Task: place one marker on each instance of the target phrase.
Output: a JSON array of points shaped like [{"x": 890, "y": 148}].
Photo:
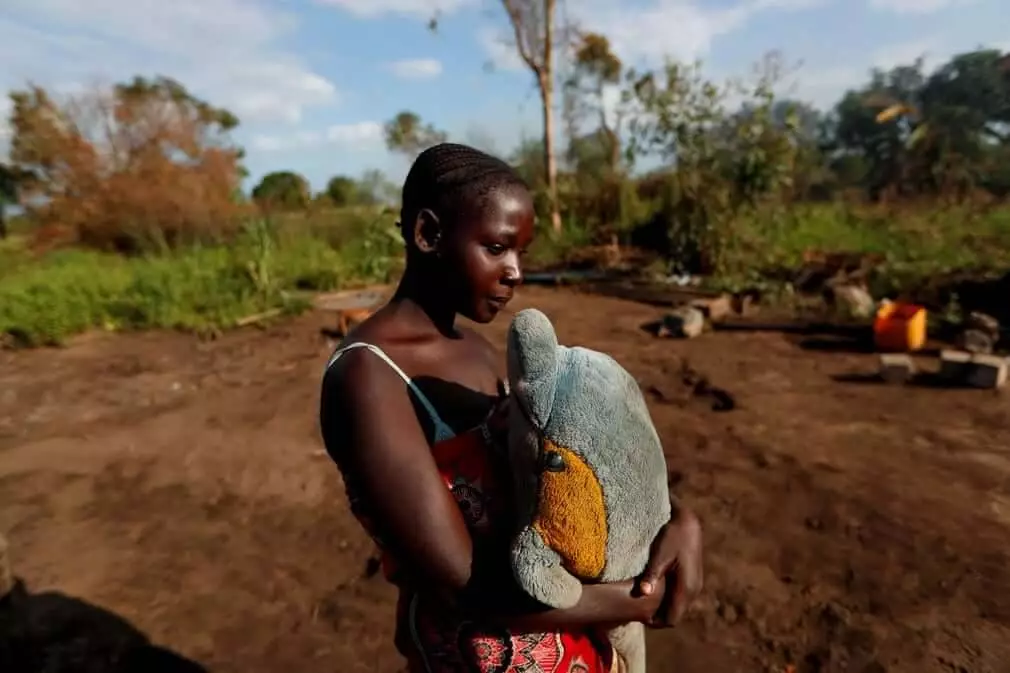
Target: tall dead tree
[{"x": 534, "y": 27}]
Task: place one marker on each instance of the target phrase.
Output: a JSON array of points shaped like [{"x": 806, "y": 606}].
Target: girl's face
[{"x": 484, "y": 253}]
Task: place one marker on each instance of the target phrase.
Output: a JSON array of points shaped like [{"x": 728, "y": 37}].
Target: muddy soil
[{"x": 178, "y": 483}]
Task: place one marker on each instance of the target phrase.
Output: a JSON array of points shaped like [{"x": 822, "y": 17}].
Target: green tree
[
  {"x": 282, "y": 190},
  {"x": 596, "y": 68},
  {"x": 528, "y": 160},
  {"x": 883, "y": 146},
  {"x": 941, "y": 132},
  {"x": 407, "y": 134},
  {"x": 10, "y": 180},
  {"x": 965, "y": 120},
  {"x": 377, "y": 189},
  {"x": 721, "y": 162},
  {"x": 343, "y": 191}
]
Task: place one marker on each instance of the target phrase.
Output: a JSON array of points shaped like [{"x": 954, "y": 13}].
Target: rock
[
  {"x": 745, "y": 304},
  {"x": 976, "y": 341},
  {"x": 980, "y": 333},
  {"x": 983, "y": 323},
  {"x": 896, "y": 368},
  {"x": 714, "y": 308},
  {"x": 686, "y": 322},
  {"x": 954, "y": 365},
  {"x": 854, "y": 299},
  {"x": 986, "y": 371}
]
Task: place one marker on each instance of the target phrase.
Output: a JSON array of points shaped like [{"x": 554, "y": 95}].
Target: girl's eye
[{"x": 496, "y": 249}]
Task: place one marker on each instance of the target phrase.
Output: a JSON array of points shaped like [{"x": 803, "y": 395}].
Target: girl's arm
[{"x": 371, "y": 430}]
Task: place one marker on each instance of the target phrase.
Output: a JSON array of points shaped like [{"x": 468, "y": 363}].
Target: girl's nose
[{"x": 513, "y": 274}]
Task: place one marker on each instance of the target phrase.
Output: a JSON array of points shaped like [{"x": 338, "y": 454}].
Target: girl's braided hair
[{"x": 449, "y": 176}]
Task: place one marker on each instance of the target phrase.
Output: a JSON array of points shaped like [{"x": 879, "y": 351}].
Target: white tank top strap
[{"x": 442, "y": 429}]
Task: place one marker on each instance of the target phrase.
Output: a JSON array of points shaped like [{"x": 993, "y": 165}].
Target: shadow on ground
[{"x": 50, "y": 632}]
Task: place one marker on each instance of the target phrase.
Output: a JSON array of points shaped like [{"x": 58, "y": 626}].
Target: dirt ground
[{"x": 849, "y": 526}]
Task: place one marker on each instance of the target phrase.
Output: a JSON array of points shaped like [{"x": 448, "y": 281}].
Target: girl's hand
[
  {"x": 633, "y": 605},
  {"x": 676, "y": 556},
  {"x": 648, "y": 605}
]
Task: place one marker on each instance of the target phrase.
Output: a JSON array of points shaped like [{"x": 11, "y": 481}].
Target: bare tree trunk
[
  {"x": 3, "y": 223},
  {"x": 534, "y": 35},
  {"x": 550, "y": 155},
  {"x": 546, "y": 81},
  {"x": 615, "y": 149}
]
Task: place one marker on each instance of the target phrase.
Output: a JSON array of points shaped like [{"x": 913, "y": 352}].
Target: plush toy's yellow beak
[{"x": 571, "y": 514}]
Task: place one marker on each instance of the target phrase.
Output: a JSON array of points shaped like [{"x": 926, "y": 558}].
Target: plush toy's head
[{"x": 589, "y": 470}]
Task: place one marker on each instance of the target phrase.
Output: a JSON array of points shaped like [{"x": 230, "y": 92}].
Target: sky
[{"x": 312, "y": 81}]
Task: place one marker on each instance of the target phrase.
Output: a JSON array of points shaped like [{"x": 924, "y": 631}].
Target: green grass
[
  {"x": 916, "y": 243},
  {"x": 277, "y": 265},
  {"x": 201, "y": 289}
]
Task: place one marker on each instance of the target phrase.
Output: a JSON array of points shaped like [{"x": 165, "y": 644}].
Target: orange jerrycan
[{"x": 899, "y": 327}]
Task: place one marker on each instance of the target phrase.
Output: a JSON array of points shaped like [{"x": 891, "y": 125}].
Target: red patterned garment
[{"x": 435, "y": 641}]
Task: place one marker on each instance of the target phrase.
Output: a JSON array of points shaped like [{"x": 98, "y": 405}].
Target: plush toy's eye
[{"x": 554, "y": 462}]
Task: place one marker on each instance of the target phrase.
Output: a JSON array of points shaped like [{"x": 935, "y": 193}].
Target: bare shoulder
[
  {"x": 355, "y": 368},
  {"x": 359, "y": 368},
  {"x": 354, "y": 384}
]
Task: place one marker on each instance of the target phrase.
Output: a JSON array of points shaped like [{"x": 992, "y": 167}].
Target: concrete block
[
  {"x": 745, "y": 304},
  {"x": 954, "y": 365},
  {"x": 854, "y": 300},
  {"x": 896, "y": 367},
  {"x": 986, "y": 371},
  {"x": 714, "y": 308},
  {"x": 686, "y": 323}
]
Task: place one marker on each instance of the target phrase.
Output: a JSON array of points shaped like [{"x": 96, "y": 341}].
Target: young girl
[{"x": 410, "y": 413}]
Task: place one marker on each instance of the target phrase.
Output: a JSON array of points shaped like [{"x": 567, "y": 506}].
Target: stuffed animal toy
[{"x": 590, "y": 475}]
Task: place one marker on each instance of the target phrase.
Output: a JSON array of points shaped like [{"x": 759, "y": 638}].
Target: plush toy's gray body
[{"x": 589, "y": 470}]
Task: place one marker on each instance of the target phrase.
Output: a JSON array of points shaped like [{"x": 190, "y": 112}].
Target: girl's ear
[{"x": 427, "y": 232}]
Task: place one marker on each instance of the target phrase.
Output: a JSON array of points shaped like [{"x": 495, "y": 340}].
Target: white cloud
[
  {"x": 501, "y": 53},
  {"x": 932, "y": 50},
  {"x": 416, "y": 68},
  {"x": 679, "y": 29},
  {"x": 357, "y": 135},
  {"x": 824, "y": 86},
  {"x": 267, "y": 91},
  {"x": 786, "y": 4},
  {"x": 360, "y": 133},
  {"x": 420, "y": 8},
  {"x": 228, "y": 51},
  {"x": 915, "y": 6}
]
